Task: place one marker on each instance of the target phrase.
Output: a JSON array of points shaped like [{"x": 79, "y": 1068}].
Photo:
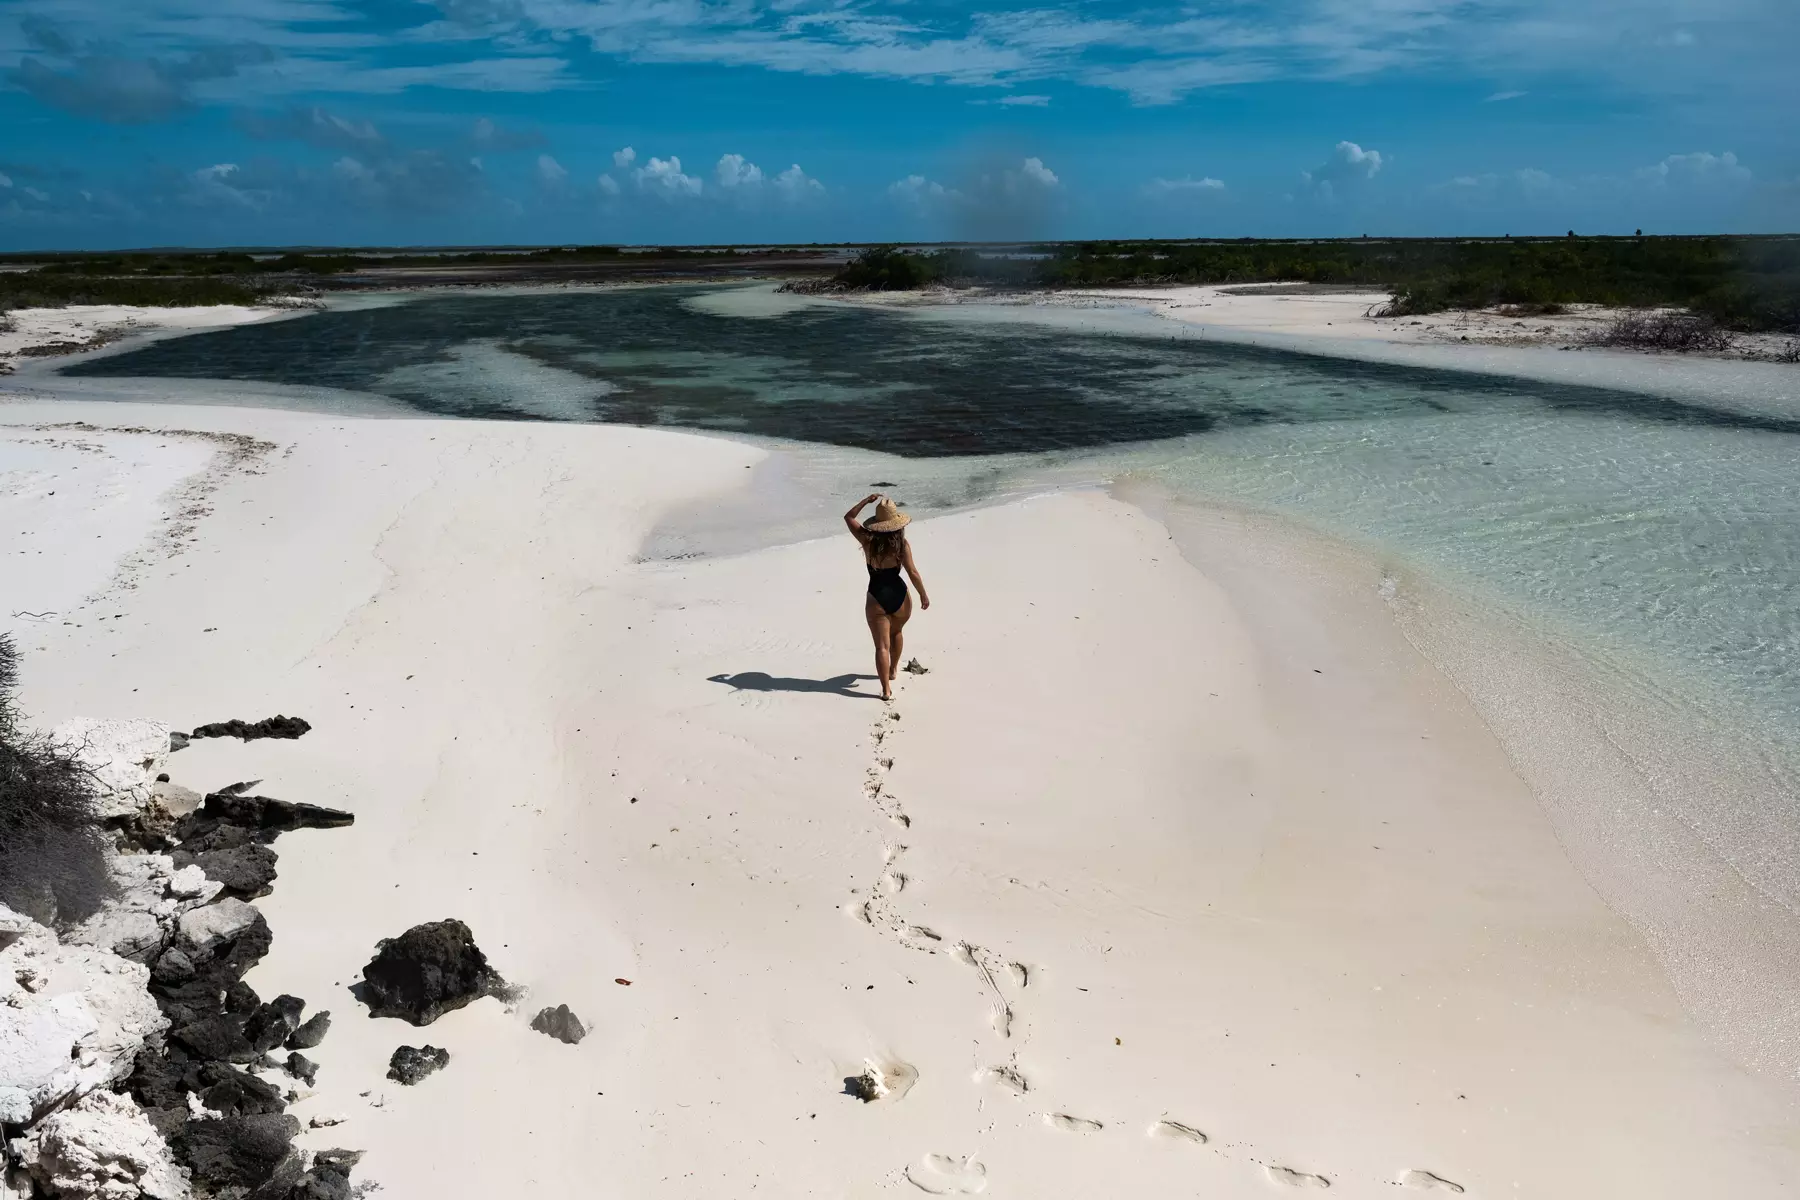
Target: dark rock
[
  {"x": 217, "y": 1038},
  {"x": 167, "y": 1120},
  {"x": 188, "y": 1002},
  {"x": 270, "y": 1025},
  {"x": 162, "y": 1080},
  {"x": 177, "y": 741},
  {"x": 246, "y": 871},
  {"x": 413, "y": 1063},
  {"x": 302, "y": 1068},
  {"x": 560, "y": 1024},
  {"x": 311, "y": 1033},
  {"x": 236, "y": 1152},
  {"x": 237, "y": 1093},
  {"x": 250, "y": 731},
  {"x": 264, "y": 812},
  {"x": 241, "y": 998},
  {"x": 865, "y": 1087},
  {"x": 329, "y": 1178},
  {"x": 172, "y": 967},
  {"x": 199, "y": 832},
  {"x": 426, "y": 972}
]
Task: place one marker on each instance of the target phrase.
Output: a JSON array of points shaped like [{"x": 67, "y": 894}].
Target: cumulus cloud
[
  {"x": 5, "y": 180},
  {"x": 1700, "y": 169},
  {"x": 551, "y": 173},
  {"x": 921, "y": 195},
  {"x": 664, "y": 177},
  {"x": 1349, "y": 166},
  {"x": 1498, "y": 97},
  {"x": 735, "y": 171},
  {"x": 1033, "y": 173},
  {"x": 226, "y": 184},
  {"x": 794, "y": 184},
  {"x": 608, "y": 185},
  {"x": 624, "y": 158}
]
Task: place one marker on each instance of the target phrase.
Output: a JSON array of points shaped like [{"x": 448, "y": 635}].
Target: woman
[{"x": 886, "y": 551}]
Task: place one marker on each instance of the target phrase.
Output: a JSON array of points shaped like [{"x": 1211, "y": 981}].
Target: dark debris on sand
[
  {"x": 269, "y": 727},
  {"x": 410, "y": 1064}
]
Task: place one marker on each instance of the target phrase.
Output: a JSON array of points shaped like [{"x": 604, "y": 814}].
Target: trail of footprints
[{"x": 942, "y": 1174}]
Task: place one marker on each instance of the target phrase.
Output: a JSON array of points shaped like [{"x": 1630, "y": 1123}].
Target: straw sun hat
[{"x": 888, "y": 517}]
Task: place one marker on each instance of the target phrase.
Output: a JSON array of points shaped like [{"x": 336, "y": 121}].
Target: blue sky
[{"x": 279, "y": 122}]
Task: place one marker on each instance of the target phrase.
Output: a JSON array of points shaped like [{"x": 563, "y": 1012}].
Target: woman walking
[{"x": 888, "y": 606}]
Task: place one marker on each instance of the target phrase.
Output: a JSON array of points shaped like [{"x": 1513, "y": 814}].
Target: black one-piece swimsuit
[{"x": 887, "y": 587}]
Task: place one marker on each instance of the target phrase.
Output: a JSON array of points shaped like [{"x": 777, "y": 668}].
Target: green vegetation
[
  {"x": 35, "y": 289},
  {"x": 183, "y": 278},
  {"x": 1742, "y": 283}
]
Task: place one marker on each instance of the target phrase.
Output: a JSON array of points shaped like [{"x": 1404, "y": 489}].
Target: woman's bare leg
[
  {"x": 896, "y": 640},
  {"x": 878, "y": 629}
]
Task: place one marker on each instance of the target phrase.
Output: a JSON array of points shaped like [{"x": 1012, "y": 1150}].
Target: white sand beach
[{"x": 1181, "y": 873}]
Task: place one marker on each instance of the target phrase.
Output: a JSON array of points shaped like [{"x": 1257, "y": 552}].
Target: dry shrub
[
  {"x": 1679, "y": 331},
  {"x": 52, "y": 846}
]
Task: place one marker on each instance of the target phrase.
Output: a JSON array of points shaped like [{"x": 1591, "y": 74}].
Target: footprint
[
  {"x": 1021, "y": 974},
  {"x": 892, "y": 883},
  {"x": 1010, "y": 1078},
  {"x": 1175, "y": 1129},
  {"x": 942, "y": 1175},
  {"x": 1299, "y": 1179},
  {"x": 1071, "y": 1124},
  {"x": 1001, "y": 1018},
  {"x": 1425, "y": 1180}
]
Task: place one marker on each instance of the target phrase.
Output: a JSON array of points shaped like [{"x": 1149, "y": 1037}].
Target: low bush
[
  {"x": 1680, "y": 331},
  {"x": 52, "y": 846}
]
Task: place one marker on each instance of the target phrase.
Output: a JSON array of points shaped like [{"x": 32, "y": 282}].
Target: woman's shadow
[{"x": 759, "y": 681}]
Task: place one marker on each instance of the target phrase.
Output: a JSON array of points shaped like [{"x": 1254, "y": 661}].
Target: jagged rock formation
[
  {"x": 426, "y": 972},
  {"x": 560, "y": 1024},
  {"x": 101, "y": 1148},
  {"x": 413, "y": 1063}
]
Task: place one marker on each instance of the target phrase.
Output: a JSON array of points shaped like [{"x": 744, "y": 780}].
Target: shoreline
[{"x": 1172, "y": 897}]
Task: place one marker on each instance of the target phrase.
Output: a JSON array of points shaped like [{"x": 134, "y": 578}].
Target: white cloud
[
  {"x": 795, "y": 184},
  {"x": 664, "y": 177},
  {"x": 608, "y": 185},
  {"x": 1700, "y": 169},
  {"x": 1034, "y": 172},
  {"x": 550, "y": 173},
  {"x": 219, "y": 184},
  {"x": 922, "y": 194},
  {"x": 5, "y": 180},
  {"x": 1024, "y": 101},
  {"x": 1497, "y": 97},
  {"x": 1206, "y": 186},
  {"x": 1348, "y": 166},
  {"x": 624, "y": 158},
  {"x": 734, "y": 171}
]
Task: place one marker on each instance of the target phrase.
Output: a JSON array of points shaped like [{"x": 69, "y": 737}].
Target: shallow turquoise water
[{"x": 1655, "y": 527}]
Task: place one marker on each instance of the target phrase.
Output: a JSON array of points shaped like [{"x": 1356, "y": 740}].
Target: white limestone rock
[
  {"x": 122, "y": 757},
  {"x": 103, "y": 1148},
  {"x": 72, "y": 1019},
  {"x": 200, "y": 930},
  {"x": 150, "y": 893},
  {"x": 191, "y": 883}
]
